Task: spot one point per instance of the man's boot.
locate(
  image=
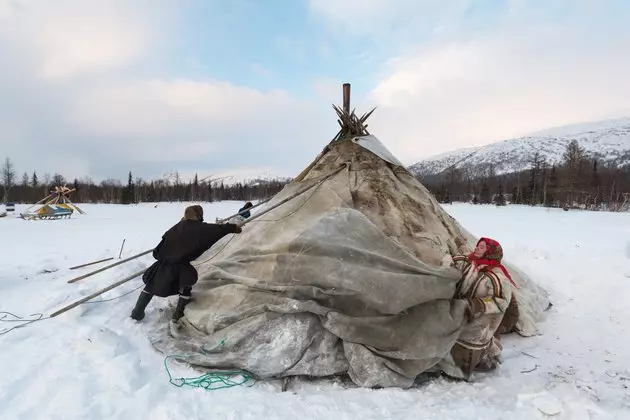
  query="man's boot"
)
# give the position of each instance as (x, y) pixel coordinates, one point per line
(181, 304)
(137, 312)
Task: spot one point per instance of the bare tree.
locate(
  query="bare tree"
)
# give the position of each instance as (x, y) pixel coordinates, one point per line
(8, 177)
(58, 180)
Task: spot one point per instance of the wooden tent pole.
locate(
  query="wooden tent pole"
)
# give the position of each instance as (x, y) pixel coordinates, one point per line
(292, 196)
(107, 267)
(75, 206)
(95, 294)
(139, 273)
(39, 202)
(254, 217)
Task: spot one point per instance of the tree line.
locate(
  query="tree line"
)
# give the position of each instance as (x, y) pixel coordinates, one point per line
(577, 181)
(31, 189)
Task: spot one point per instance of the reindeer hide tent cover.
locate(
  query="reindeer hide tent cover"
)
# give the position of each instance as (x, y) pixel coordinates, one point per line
(351, 277)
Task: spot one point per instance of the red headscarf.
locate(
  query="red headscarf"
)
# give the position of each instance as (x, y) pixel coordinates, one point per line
(492, 257)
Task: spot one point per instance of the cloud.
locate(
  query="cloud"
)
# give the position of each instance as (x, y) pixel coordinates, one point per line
(328, 89)
(159, 125)
(387, 20)
(80, 96)
(69, 37)
(472, 92)
(182, 120)
(101, 88)
(466, 73)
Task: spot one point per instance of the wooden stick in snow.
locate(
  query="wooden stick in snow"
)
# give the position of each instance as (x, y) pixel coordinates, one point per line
(121, 248)
(91, 263)
(107, 267)
(95, 294)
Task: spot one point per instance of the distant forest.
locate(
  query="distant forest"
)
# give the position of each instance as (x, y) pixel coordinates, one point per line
(579, 181)
(31, 189)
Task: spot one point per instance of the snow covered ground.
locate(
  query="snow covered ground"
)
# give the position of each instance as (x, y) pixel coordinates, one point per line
(93, 362)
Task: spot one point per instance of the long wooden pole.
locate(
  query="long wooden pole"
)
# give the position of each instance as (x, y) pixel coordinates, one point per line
(283, 201)
(139, 273)
(91, 263)
(39, 202)
(254, 217)
(107, 267)
(95, 294)
(291, 197)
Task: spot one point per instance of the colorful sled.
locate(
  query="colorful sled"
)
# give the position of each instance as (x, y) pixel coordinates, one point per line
(49, 212)
(56, 205)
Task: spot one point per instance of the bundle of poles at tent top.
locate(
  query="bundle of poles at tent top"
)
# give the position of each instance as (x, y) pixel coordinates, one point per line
(133, 257)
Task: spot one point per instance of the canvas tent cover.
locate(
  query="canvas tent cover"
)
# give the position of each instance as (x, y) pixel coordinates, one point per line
(352, 276)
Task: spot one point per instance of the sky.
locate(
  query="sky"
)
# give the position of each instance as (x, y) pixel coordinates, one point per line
(99, 88)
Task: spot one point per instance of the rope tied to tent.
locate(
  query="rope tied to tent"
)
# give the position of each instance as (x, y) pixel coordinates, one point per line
(210, 381)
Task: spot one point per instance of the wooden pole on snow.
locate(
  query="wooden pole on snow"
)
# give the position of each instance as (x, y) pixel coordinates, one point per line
(139, 273)
(121, 248)
(95, 294)
(91, 263)
(107, 267)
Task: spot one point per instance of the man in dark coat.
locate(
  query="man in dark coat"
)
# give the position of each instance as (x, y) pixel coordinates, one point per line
(172, 273)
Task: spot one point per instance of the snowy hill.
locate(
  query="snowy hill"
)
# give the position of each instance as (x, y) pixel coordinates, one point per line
(243, 175)
(607, 140)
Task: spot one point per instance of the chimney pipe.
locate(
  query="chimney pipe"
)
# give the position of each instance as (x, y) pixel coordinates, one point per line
(346, 97)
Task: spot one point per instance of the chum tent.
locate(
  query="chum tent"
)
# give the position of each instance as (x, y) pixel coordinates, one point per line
(351, 277)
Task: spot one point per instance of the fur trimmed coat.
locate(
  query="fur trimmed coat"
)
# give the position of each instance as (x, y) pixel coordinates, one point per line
(488, 293)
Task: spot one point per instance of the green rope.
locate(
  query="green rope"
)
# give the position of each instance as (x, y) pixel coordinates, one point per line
(210, 381)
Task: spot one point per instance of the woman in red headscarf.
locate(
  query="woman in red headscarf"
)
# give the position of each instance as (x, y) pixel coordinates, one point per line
(487, 287)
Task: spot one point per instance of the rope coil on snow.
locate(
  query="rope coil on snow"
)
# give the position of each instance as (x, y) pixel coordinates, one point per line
(210, 381)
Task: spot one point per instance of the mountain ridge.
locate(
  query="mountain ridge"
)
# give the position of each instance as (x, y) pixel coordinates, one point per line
(605, 140)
